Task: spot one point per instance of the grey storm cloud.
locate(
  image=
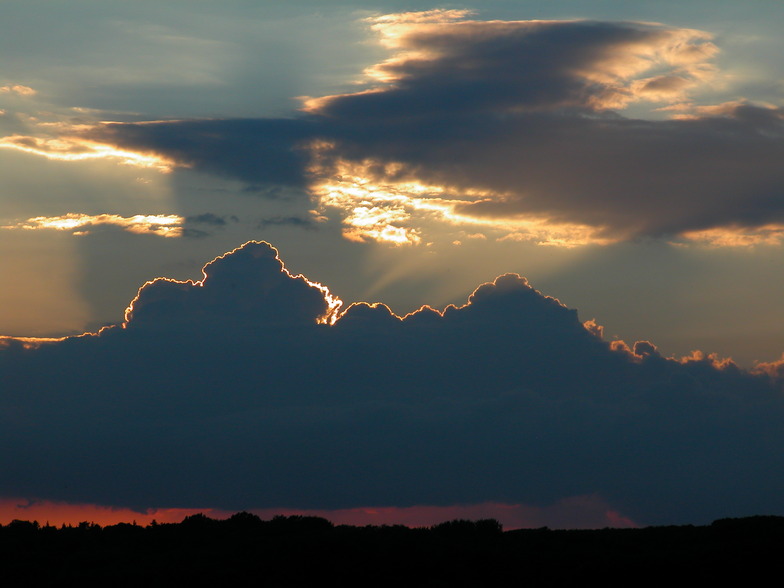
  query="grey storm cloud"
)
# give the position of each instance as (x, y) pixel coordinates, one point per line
(529, 113)
(252, 388)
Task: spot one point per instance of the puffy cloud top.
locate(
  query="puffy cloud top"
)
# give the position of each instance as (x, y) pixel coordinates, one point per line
(246, 289)
(228, 393)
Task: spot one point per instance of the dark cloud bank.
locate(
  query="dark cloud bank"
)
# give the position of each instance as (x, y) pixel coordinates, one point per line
(530, 112)
(237, 392)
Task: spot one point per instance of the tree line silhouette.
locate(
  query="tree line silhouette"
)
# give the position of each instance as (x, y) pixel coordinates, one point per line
(303, 550)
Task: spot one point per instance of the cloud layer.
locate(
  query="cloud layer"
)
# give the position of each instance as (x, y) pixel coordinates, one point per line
(251, 389)
(517, 126)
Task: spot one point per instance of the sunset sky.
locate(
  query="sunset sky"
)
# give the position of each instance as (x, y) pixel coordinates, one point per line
(619, 164)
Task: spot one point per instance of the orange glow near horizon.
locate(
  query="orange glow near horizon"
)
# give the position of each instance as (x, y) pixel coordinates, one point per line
(578, 512)
(63, 513)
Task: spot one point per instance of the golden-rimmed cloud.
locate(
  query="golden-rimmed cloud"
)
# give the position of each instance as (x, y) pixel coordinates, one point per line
(253, 382)
(248, 286)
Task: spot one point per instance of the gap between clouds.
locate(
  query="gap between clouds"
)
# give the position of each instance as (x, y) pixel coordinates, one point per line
(253, 388)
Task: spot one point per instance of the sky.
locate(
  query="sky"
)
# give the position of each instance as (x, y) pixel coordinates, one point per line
(220, 225)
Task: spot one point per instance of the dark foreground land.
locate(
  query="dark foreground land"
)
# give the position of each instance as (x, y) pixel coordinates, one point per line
(309, 551)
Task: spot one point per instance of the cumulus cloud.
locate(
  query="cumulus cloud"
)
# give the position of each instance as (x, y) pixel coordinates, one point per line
(516, 126)
(252, 389)
(245, 289)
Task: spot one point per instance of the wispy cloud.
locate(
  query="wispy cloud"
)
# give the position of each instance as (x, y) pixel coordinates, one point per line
(18, 89)
(66, 148)
(266, 294)
(772, 235)
(162, 225)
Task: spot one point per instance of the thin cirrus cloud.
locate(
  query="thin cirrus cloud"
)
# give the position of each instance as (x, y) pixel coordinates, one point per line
(253, 389)
(162, 225)
(515, 128)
